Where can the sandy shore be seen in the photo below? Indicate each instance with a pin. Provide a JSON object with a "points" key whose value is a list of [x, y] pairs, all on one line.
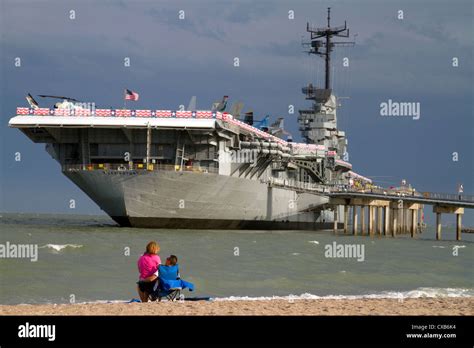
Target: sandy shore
{"points": [[419, 306]]}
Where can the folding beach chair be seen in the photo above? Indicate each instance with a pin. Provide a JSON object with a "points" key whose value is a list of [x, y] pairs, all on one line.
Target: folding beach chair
{"points": [[169, 284]]}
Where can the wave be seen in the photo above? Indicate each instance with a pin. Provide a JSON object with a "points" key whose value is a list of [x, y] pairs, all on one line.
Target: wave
{"points": [[401, 295], [313, 241], [417, 293], [454, 246], [60, 247]]}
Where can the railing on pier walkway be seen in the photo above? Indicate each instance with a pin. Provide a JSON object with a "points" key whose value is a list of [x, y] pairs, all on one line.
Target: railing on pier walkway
{"points": [[428, 197], [448, 196], [135, 167]]}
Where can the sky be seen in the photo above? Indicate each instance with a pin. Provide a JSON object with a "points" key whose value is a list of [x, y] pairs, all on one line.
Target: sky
{"points": [[407, 59]]}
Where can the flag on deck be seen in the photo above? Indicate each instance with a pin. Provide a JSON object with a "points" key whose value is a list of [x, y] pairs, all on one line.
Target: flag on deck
{"points": [[131, 95]]}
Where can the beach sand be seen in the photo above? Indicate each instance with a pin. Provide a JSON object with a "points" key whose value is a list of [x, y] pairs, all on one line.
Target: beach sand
{"points": [[418, 306]]}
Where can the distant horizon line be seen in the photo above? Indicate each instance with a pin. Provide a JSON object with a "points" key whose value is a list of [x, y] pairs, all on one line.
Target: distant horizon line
{"points": [[453, 224], [51, 213]]}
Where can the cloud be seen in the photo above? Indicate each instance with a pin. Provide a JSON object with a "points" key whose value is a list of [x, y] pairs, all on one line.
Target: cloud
{"points": [[173, 59]]}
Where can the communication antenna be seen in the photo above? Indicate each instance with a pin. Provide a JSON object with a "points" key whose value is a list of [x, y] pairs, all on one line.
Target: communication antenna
{"points": [[322, 45]]}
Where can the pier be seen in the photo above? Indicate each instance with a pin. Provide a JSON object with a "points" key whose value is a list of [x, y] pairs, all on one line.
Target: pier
{"points": [[392, 213]]}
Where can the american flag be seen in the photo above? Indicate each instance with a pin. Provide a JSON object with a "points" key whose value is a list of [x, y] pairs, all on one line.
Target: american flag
{"points": [[131, 95]]}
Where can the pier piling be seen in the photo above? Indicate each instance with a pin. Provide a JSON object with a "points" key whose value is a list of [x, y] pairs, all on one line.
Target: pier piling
{"points": [[362, 219], [413, 222], [403, 221], [371, 221], [354, 220], [379, 220], [438, 226], [394, 227], [399, 220], [420, 218], [439, 209], [386, 220], [393, 215], [409, 221], [346, 218], [458, 226]]}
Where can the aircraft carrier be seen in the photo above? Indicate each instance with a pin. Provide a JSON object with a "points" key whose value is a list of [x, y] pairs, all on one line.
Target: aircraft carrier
{"points": [[201, 169]]}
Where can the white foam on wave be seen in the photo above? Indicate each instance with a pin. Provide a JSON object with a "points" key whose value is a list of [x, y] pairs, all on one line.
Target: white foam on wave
{"points": [[313, 241], [59, 247], [400, 295], [417, 293], [103, 302]]}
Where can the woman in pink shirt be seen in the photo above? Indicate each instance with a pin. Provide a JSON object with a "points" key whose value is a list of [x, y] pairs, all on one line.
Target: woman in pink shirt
{"points": [[147, 267]]}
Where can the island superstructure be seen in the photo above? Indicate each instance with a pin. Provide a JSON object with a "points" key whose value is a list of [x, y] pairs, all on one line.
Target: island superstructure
{"points": [[200, 168]]}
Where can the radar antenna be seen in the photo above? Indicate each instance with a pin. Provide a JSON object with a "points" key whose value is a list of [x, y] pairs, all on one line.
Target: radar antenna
{"points": [[323, 48]]}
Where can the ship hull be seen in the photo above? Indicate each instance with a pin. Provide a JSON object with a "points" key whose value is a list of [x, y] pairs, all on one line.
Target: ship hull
{"points": [[169, 199], [219, 224]]}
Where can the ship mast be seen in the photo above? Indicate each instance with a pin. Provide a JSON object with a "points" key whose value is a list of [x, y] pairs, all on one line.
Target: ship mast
{"points": [[324, 47], [318, 124]]}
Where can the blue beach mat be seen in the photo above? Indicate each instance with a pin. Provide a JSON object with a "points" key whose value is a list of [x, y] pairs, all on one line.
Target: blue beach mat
{"points": [[196, 298]]}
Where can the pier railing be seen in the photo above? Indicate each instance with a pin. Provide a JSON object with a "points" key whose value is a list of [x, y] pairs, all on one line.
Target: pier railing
{"points": [[376, 190], [448, 196], [407, 193], [400, 192]]}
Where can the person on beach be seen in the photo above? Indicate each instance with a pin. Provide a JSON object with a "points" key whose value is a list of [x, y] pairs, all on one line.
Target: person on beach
{"points": [[171, 261], [170, 283], [148, 265]]}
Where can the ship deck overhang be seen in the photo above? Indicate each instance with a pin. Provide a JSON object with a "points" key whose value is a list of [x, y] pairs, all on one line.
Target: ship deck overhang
{"points": [[109, 122]]}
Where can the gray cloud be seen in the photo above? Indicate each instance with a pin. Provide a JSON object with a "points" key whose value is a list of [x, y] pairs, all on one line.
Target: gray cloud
{"points": [[174, 59]]}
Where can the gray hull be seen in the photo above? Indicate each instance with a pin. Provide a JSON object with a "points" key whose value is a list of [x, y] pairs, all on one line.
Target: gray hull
{"points": [[169, 199]]}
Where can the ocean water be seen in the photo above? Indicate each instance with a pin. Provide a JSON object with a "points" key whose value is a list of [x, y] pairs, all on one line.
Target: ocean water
{"points": [[84, 258]]}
